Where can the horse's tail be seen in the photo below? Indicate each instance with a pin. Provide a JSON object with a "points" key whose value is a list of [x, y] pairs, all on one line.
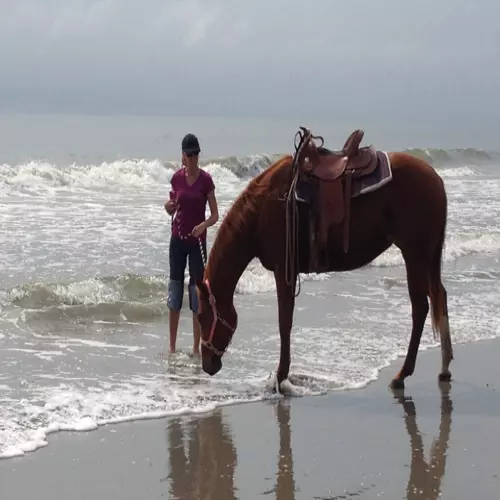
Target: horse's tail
{"points": [[437, 294]]}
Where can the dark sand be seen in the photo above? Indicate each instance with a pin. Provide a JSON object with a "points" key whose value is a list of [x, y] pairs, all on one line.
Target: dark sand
{"points": [[363, 444]]}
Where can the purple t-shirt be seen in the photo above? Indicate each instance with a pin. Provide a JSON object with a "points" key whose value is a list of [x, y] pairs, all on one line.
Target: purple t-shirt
{"points": [[191, 202]]}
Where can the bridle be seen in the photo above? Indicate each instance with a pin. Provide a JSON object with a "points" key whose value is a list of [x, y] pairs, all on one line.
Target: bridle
{"points": [[208, 343], [217, 317]]}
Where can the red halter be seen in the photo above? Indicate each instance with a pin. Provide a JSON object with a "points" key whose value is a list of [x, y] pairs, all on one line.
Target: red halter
{"points": [[208, 343]]}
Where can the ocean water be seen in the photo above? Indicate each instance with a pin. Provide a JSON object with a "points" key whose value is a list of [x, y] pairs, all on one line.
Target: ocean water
{"points": [[84, 267]]}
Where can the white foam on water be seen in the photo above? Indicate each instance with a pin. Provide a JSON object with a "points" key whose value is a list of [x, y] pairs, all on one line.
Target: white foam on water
{"points": [[37, 178], [100, 345], [256, 279], [45, 355], [457, 245], [70, 408], [226, 182], [456, 172]]}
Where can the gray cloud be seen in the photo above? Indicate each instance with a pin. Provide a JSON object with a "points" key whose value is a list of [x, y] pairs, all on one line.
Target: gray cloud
{"points": [[430, 60]]}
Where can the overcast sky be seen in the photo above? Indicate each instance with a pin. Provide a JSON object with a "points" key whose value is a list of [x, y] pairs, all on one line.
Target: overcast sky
{"points": [[432, 60]]}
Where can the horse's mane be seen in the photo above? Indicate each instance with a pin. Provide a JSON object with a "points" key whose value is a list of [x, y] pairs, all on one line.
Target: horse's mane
{"points": [[244, 209]]}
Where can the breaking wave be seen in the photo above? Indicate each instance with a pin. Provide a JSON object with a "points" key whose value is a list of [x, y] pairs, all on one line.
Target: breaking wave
{"points": [[127, 297], [460, 156], [36, 176]]}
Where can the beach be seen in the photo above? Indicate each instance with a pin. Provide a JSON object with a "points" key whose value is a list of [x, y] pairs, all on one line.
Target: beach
{"points": [[429, 441], [90, 399]]}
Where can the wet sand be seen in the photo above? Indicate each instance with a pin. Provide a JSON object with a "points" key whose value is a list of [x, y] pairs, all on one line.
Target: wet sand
{"points": [[427, 443]]}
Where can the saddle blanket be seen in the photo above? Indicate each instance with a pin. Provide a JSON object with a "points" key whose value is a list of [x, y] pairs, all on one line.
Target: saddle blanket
{"points": [[378, 178]]}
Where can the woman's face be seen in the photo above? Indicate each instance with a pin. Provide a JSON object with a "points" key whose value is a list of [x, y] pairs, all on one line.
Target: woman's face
{"points": [[190, 159]]}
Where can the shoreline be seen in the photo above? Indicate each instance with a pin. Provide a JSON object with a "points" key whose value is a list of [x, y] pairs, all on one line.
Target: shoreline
{"points": [[349, 442], [88, 425]]}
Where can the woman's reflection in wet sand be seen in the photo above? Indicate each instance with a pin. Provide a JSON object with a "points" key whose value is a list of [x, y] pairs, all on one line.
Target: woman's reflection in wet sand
{"points": [[204, 471], [426, 477]]}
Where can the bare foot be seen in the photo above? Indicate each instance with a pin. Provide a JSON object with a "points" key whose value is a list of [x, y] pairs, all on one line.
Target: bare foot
{"points": [[195, 354]]}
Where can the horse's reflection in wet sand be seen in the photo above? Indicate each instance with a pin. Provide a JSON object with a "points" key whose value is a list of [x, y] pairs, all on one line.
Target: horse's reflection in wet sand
{"points": [[285, 482], [207, 470], [426, 477]]}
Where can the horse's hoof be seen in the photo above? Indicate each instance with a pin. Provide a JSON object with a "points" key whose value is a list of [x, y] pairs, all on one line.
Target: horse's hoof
{"points": [[445, 377], [278, 387], [397, 384], [274, 383], [277, 390]]}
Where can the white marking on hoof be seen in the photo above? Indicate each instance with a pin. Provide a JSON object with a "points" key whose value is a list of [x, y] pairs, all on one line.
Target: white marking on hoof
{"points": [[286, 388]]}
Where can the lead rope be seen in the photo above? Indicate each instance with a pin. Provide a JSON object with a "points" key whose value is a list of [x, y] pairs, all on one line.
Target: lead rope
{"points": [[203, 256]]}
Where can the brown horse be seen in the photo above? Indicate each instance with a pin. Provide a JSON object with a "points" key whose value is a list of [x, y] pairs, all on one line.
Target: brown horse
{"points": [[410, 212]]}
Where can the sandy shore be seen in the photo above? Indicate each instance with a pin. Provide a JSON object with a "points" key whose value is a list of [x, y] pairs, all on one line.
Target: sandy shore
{"points": [[364, 444]]}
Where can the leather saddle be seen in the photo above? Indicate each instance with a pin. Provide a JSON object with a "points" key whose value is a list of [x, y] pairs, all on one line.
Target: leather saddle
{"points": [[330, 165], [333, 172]]}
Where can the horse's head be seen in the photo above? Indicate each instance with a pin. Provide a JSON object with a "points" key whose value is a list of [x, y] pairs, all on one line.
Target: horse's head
{"points": [[218, 321]]}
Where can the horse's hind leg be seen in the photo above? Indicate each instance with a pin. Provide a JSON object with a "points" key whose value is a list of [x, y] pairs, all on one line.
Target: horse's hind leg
{"points": [[446, 347], [439, 303], [417, 272]]}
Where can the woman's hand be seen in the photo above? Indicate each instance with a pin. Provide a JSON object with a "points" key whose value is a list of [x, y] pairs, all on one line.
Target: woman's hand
{"points": [[170, 207], [198, 230]]}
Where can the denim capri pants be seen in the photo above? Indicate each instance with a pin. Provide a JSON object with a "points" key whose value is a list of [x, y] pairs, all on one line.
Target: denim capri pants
{"points": [[184, 251]]}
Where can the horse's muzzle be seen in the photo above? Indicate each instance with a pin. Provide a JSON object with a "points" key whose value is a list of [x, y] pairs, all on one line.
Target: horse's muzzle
{"points": [[211, 364]]}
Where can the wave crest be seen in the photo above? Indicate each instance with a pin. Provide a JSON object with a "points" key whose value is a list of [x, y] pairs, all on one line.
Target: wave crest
{"points": [[39, 177]]}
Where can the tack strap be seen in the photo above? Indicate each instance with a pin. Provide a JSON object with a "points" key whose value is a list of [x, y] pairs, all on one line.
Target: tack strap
{"points": [[216, 317]]}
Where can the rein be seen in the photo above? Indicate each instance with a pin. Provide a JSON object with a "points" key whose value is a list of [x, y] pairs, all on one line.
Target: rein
{"points": [[291, 214], [217, 317]]}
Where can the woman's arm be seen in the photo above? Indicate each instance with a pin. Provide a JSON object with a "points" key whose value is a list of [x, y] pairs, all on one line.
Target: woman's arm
{"points": [[170, 205], [214, 209], [214, 212]]}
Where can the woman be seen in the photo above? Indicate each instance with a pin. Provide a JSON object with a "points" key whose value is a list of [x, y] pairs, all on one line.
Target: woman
{"points": [[192, 187]]}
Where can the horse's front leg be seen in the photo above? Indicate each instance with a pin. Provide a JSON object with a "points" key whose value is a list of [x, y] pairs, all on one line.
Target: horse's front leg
{"points": [[286, 304]]}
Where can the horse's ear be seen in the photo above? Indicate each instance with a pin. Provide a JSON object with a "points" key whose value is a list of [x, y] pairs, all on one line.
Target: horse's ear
{"points": [[202, 288]]}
